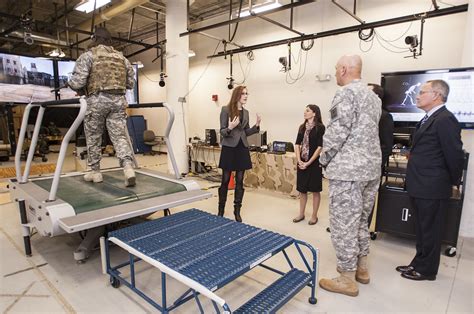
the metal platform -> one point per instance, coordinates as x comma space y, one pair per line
206, 252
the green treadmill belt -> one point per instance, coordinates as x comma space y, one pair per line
87, 196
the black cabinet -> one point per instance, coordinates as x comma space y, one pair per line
395, 215
395, 211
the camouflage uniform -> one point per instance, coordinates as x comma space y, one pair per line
352, 157
104, 74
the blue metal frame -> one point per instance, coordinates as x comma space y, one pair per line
234, 254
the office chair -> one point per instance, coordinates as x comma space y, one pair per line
149, 139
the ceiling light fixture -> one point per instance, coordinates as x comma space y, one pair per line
87, 6
260, 8
57, 53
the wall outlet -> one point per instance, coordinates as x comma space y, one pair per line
182, 99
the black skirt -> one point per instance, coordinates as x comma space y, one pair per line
235, 158
310, 179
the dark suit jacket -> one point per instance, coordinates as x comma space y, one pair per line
386, 135
231, 138
436, 157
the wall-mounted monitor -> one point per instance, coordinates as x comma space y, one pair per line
401, 89
25, 79
65, 69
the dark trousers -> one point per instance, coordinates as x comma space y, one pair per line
429, 217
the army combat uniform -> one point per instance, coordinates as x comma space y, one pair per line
352, 157
104, 74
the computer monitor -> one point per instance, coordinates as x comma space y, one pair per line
401, 89
258, 139
25, 79
65, 69
279, 147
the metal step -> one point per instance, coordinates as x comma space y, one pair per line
277, 294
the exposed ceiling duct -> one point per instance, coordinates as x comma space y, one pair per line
37, 37
111, 12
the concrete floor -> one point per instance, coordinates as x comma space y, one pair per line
51, 281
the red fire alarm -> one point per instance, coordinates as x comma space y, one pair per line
214, 97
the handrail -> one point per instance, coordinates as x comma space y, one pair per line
167, 140
74, 102
167, 131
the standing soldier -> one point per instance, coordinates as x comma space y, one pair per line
103, 74
351, 155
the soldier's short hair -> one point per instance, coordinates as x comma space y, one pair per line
101, 36
440, 87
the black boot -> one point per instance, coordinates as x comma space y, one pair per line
222, 200
239, 195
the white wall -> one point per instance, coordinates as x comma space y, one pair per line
280, 104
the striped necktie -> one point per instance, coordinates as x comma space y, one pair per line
425, 118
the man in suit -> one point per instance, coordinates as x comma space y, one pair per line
435, 165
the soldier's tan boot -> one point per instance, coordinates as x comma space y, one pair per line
344, 284
362, 273
93, 176
129, 173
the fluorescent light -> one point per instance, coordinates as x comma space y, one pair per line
87, 6
261, 8
191, 53
437, 71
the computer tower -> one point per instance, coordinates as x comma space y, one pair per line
211, 137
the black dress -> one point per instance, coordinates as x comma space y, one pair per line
311, 178
235, 158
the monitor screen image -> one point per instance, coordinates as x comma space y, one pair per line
65, 69
402, 88
25, 79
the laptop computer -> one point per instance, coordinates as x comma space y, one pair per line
278, 148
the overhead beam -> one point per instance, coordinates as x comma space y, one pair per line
76, 30
279, 24
240, 19
350, 29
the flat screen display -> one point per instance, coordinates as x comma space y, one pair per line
25, 79
65, 69
401, 89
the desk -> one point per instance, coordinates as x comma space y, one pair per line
270, 171
206, 252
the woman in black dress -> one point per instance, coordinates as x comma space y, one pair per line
235, 155
309, 177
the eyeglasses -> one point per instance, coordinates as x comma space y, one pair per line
421, 92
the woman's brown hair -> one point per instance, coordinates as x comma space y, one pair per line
234, 99
317, 118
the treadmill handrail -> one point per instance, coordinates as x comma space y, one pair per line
82, 104
167, 140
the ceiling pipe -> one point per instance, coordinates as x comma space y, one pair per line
349, 29
111, 12
39, 38
252, 16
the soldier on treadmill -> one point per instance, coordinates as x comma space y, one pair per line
103, 74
